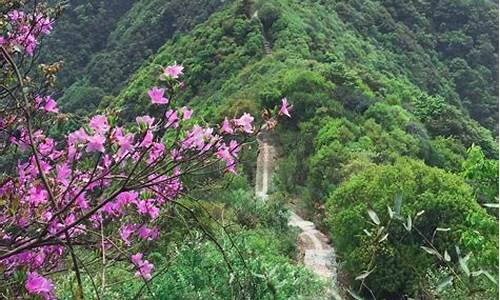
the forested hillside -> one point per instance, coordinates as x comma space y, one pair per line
103, 42
379, 88
392, 148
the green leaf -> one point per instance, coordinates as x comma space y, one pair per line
491, 205
391, 212
432, 251
443, 283
443, 229
408, 224
485, 273
462, 261
446, 256
398, 200
373, 215
383, 238
364, 275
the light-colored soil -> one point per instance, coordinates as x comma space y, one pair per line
315, 251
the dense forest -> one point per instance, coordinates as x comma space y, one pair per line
391, 150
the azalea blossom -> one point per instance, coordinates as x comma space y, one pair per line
126, 231
100, 124
37, 196
147, 140
63, 173
245, 122
95, 143
144, 267
226, 127
146, 121
285, 106
172, 119
157, 96
173, 71
39, 285
149, 234
50, 105
186, 113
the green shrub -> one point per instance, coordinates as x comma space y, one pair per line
446, 201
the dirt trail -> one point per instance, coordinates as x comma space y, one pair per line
318, 255
268, 48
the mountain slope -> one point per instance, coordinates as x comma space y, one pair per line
310, 38
376, 85
104, 42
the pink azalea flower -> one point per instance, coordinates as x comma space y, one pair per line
157, 96
226, 127
100, 124
95, 143
175, 154
81, 202
147, 207
127, 197
46, 147
146, 121
77, 137
186, 113
173, 71
63, 172
124, 141
15, 15
144, 266
172, 119
155, 152
39, 285
285, 106
37, 196
136, 258
149, 234
228, 154
234, 147
148, 140
126, 231
145, 270
50, 105
245, 122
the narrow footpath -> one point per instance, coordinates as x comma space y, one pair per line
316, 252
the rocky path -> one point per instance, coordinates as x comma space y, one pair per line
314, 248
267, 44
318, 255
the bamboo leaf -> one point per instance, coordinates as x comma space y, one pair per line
431, 251
373, 215
384, 238
391, 212
408, 223
443, 229
443, 283
398, 200
486, 274
462, 261
446, 256
364, 275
